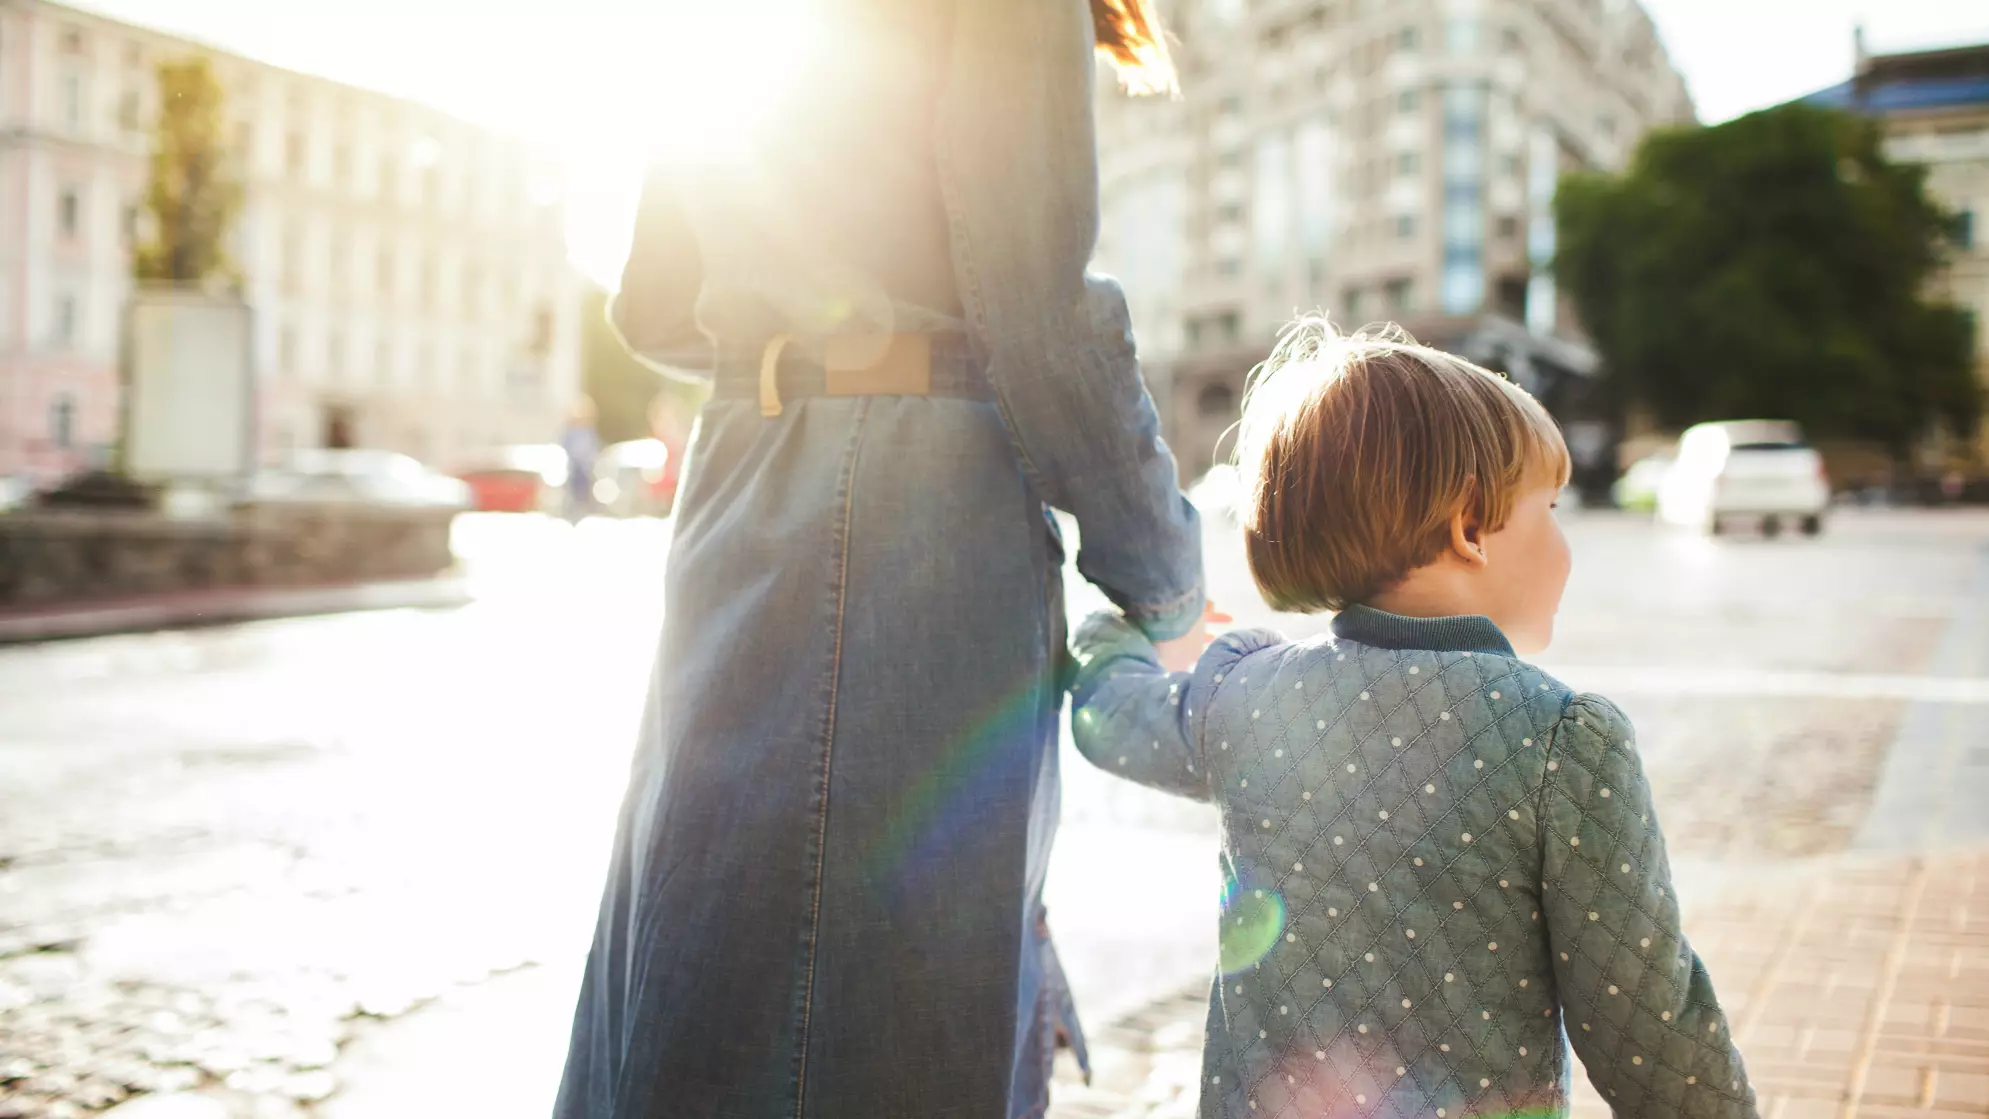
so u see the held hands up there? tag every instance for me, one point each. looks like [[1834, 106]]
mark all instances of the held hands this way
[[1180, 654]]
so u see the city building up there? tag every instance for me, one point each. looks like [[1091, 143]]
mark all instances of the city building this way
[[407, 271], [1935, 109], [1377, 160]]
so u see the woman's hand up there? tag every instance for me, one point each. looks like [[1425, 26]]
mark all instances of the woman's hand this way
[[1180, 654]]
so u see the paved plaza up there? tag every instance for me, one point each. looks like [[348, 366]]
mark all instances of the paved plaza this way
[[346, 866]]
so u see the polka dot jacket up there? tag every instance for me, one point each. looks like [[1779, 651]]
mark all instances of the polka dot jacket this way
[[1439, 864]]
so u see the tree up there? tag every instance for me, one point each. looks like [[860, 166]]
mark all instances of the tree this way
[[192, 197], [1773, 266]]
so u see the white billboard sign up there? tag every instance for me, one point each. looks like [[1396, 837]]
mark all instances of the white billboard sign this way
[[189, 387]]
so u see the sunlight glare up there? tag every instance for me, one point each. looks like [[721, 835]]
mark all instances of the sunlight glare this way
[[726, 67]]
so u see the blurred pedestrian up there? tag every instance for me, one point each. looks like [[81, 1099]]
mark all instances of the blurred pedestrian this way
[[582, 444], [1438, 856], [826, 891]]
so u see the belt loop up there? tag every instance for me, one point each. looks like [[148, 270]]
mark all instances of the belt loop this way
[[769, 375]]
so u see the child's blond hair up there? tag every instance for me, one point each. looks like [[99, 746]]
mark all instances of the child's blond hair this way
[[1357, 450]]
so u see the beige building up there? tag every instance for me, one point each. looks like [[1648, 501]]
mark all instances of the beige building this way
[[1373, 159], [1935, 107], [408, 271]]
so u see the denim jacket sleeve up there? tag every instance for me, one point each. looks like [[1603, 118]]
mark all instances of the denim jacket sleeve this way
[[1638, 1005], [1019, 170], [655, 313]]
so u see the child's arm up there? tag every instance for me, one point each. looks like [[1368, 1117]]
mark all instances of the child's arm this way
[[1132, 717], [1636, 1002]]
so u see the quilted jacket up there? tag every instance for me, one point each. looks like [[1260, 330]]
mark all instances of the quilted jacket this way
[[1441, 865]]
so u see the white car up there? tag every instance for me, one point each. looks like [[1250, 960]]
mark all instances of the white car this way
[[362, 476], [1759, 470]]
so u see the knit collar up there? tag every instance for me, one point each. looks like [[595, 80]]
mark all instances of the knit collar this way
[[1473, 633]]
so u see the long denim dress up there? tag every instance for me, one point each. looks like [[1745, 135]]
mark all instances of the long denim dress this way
[[825, 893]]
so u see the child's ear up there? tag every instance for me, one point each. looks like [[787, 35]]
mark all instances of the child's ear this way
[[1467, 536]]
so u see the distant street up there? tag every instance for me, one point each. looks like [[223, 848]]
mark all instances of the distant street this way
[[346, 866]]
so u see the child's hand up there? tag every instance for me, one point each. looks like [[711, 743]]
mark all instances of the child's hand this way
[[1180, 654]]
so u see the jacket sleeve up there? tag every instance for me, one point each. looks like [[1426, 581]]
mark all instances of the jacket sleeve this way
[[1636, 1002], [655, 313], [1132, 717], [1019, 172]]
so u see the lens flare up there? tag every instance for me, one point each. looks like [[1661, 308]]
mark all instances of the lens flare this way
[[1252, 920]]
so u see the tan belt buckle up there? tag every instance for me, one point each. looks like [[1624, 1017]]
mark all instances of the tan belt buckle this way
[[878, 365], [770, 375]]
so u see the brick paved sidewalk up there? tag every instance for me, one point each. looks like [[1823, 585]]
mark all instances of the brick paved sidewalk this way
[[1858, 987]]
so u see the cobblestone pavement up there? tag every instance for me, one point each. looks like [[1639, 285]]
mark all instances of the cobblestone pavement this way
[[344, 867]]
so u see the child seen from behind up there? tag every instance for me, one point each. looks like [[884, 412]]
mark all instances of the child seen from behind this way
[[1439, 860]]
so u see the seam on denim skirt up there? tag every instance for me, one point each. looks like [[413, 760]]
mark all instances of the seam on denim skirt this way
[[828, 753]]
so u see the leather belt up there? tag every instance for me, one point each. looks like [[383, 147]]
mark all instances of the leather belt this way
[[852, 365]]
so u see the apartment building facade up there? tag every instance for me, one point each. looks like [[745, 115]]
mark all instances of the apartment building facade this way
[[1375, 160], [408, 271]]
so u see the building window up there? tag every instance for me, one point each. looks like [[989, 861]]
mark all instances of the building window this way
[[1401, 295], [294, 153], [1408, 163], [341, 164], [1229, 266], [62, 422], [1230, 160], [1509, 40], [72, 41], [1216, 402], [65, 321], [1408, 39], [1606, 125], [1409, 100], [1230, 106], [69, 213], [1463, 286], [130, 111], [1350, 304], [1229, 212], [1964, 230], [1508, 227], [130, 223], [1461, 36], [1405, 227], [72, 100]]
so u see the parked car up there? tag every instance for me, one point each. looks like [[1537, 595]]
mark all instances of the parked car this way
[[637, 478], [1760, 470], [361, 475], [1637, 489], [525, 479]]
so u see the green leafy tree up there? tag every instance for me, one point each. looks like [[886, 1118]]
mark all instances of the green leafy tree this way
[[1777, 266], [193, 196]]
